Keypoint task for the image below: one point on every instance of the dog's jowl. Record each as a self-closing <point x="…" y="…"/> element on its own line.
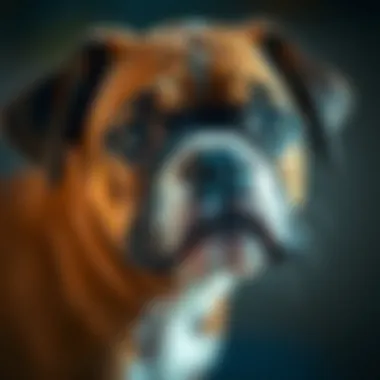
<point x="165" y="168"/>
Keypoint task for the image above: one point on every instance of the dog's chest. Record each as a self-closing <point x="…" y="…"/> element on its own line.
<point x="182" y="339"/>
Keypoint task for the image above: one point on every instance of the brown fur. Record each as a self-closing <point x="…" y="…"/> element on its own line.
<point x="66" y="292"/>
<point x="67" y="295"/>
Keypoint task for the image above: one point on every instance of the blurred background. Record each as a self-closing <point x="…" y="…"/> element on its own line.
<point x="313" y="318"/>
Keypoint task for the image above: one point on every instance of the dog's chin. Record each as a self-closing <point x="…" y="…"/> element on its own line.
<point x="241" y="255"/>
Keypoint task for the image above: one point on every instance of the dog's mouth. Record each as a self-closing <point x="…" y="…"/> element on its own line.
<point x="231" y="240"/>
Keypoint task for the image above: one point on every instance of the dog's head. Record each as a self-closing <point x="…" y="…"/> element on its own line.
<point x="185" y="140"/>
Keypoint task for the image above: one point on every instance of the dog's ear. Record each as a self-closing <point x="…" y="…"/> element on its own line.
<point x="49" y="115"/>
<point x="319" y="92"/>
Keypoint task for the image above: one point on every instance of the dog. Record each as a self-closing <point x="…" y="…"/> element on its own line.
<point x="183" y="337"/>
<point x="164" y="167"/>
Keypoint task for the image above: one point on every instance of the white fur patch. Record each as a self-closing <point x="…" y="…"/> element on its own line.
<point x="183" y="351"/>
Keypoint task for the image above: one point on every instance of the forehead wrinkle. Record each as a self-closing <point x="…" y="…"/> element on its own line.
<point x="232" y="54"/>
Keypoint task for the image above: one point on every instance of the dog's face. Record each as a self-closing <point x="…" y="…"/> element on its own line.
<point x="185" y="140"/>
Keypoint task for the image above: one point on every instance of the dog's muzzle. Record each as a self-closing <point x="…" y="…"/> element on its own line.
<point x="216" y="197"/>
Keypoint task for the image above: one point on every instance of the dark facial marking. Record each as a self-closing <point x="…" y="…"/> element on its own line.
<point x="131" y="140"/>
<point x="270" y="127"/>
<point x="277" y="49"/>
<point x="210" y="116"/>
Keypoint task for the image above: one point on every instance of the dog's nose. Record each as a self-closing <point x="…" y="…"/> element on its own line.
<point x="218" y="177"/>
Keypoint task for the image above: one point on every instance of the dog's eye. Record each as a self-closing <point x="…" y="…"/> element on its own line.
<point x="126" y="141"/>
<point x="269" y="126"/>
<point x="129" y="136"/>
